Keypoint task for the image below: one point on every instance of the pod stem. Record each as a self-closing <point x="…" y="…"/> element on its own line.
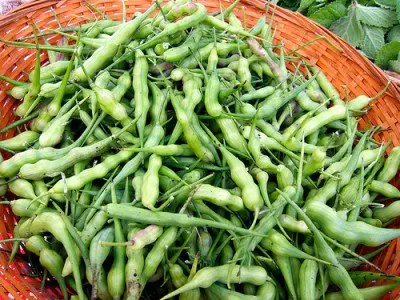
<point x="41" y="47"/>
<point x="347" y="250"/>
<point x="13" y="240"/>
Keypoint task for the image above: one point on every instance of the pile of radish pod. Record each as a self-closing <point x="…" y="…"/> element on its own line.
<point x="175" y="155"/>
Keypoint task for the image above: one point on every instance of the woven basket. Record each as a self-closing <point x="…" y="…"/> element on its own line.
<point x="340" y="62"/>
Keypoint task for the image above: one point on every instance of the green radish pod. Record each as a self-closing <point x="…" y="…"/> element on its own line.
<point x="254" y="145"/>
<point x="20" y="142"/>
<point x="280" y="246"/>
<point x="391" y="166"/>
<point x="57" y="68"/>
<point x="123" y="84"/>
<point x="102" y="290"/>
<point x="125" y="138"/>
<point x="133" y="268"/>
<point x="306" y="103"/>
<point x="49" y="259"/>
<point x="267" y="291"/>
<point x="269" y="143"/>
<point x="264" y="225"/>
<point x="34" y="87"/>
<point x="362" y="277"/>
<point x="141" y="89"/>
<point x="349" y="192"/>
<point x="211" y="103"/>
<point x="45" y="167"/>
<point x="204" y="242"/>
<point x="50" y="90"/>
<point x="216" y="291"/>
<point x="3" y="183"/>
<point x="262" y="179"/>
<point x="290" y="223"/>
<point x="371" y="221"/>
<point x="103" y="55"/>
<point x="36" y="244"/>
<point x="54" y="106"/>
<point x="207" y="276"/>
<point x="53" y="132"/>
<point x="143" y="237"/>
<point x="384" y="188"/>
<point x="84" y="199"/>
<point x="337" y="273"/>
<point x="53" y="263"/>
<point x="295" y="265"/>
<point x="217" y="196"/>
<point x="53" y="223"/>
<point x="387" y="213"/>
<point x="171" y="28"/>
<point x="256" y="29"/>
<point x="116" y="274"/>
<point x="221" y="25"/>
<point x="22" y="188"/>
<point x="111" y="107"/>
<point x="244" y="74"/>
<point x="11" y="166"/>
<point x="19" y="92"/>
<point x="212" y="62"/>
<point x="258" y="50"/>
<point x="365" y="158"/>
<point x="156" y="254"/>
<point x="137" y="183"/>
<point x="16" y="235"/>
<point x="232" y="134"/>
<point x="251" y="195"/>
<point x="166" y="150"/>
<point x="150" y="185"/>
<point x="178" y="279"/>
<point x="334" y="113"/>
<point x="226" y="254"/>
<point x="315" y="163"/>
<point x="156" y="135"/>
<point x="178" y="53"/>
<point x="327" y="87"/>
<point x="284" y="176"/>
<point x="234" y="21"/>
<point x="160" y="99"/>
<point x="258" y="94"/>
<point x="348" y="232"/>
<point x="369" y="293"/>
<point x="98" y="253"/>
<point x="88" y="175"/>
<point x="87" y="234"/>
<point x="145" y="216"/>
<point x="204" y="52"/>
<point x="24" y="207"/>
<point x="190" y="134"/>
<point x="308" y="279"/>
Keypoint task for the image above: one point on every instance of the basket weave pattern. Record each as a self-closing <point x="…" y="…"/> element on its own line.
<point x="340" y="62"/>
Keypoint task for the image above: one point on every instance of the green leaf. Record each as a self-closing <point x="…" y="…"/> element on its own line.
<point x="386" y="3"/>
<point x="304" y="4"/>
<point x="387" y="53"/>
<point x="398" y="10"/>
<point x="374" y="39"/>
<point x="328" y="14"/>
<point x="394" y="34"/>
<point x="312" y="9"/>
<point x="376" y="16"/>
<point x="394" y="65"/>
<point x="349" y="27"/>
